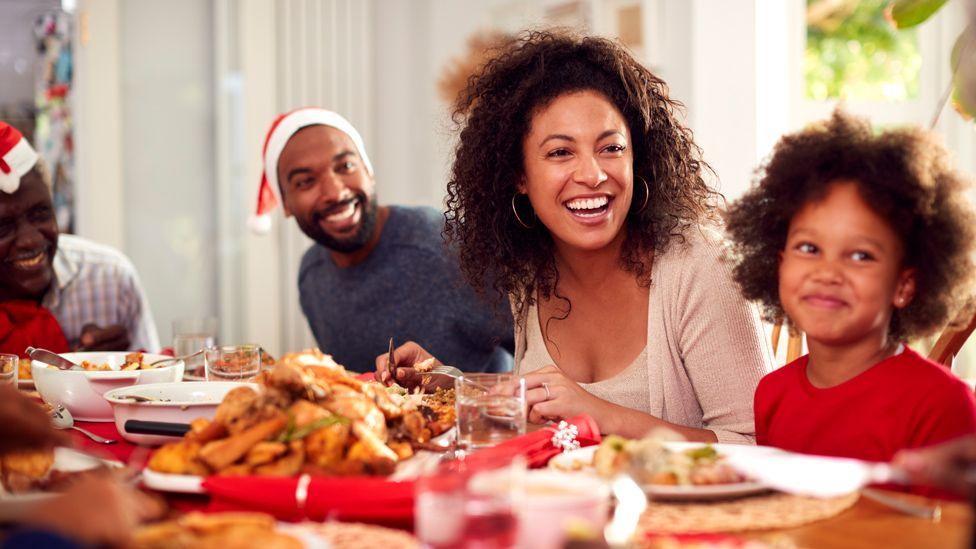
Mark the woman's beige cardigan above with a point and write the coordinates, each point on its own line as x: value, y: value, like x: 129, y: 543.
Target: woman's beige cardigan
x: 706, y: 348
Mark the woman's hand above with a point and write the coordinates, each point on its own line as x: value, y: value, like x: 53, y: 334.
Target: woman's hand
x: 550, y: 395
x: 405, y: 357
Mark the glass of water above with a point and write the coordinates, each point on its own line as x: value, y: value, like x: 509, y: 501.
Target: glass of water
x: 490, y: 408
x: 8, y: 368
x: 190, y: 335
x: 232, y: 362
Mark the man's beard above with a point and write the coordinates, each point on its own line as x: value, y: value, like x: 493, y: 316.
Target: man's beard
x: 346, y: 244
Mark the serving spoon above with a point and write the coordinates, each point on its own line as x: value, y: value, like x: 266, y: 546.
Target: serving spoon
x: 62, y: 419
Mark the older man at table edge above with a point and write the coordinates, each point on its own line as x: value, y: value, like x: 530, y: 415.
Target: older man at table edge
x: 91, y: 291
x: 374, y: 271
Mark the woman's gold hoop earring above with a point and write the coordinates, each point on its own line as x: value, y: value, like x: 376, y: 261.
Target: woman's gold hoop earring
x: 517, y: 217
x: 647, y: 194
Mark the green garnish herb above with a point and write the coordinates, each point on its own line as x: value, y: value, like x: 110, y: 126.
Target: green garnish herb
x: 705, y: 452
x: 292, y: 433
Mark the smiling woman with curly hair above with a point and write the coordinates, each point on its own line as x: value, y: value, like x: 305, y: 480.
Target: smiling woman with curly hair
x: 577, y: 192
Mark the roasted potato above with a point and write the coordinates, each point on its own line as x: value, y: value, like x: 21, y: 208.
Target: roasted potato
x: 179, y: 458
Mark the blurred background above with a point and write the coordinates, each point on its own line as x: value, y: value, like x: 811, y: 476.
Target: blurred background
x: 153, y: 112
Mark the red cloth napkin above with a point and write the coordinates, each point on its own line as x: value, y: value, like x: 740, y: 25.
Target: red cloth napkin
x: 357, y: 499
x: 370, y: 499
x: 26, y: 324
x: 537, y: 446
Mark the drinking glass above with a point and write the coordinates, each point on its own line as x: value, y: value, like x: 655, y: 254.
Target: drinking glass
x: 490, y: 408
x: 461, y: 507
x: 232, y: 362
x: 191, y: 335
x: 8, y: 368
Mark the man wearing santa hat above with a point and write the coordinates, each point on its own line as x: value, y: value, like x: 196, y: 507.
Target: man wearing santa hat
x: 374, y: 272
x: 59, y: 292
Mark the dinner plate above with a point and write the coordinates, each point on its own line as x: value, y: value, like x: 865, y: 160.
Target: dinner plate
x: 12, y: 506
x: 581, y: 460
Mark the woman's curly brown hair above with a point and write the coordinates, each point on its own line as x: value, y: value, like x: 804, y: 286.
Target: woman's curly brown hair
x: 906, y: 177
x: 495, y: 112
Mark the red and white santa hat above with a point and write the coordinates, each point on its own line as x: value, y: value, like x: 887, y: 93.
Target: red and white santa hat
x: 17, y: 157
x: 285, y: 126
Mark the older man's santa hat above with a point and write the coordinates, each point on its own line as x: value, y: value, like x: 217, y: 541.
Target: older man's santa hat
x: 285, y: 126
x: 17, y: 158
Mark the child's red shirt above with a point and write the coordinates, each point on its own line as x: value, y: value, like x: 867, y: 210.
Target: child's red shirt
x: 904, y: 401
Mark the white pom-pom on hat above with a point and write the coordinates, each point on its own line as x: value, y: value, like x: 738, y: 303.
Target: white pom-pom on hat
x: 17, y: 157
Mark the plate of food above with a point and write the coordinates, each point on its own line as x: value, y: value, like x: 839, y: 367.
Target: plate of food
x: 307, y: 415
x: 248, y: 529
x: 667, y: 470
x: 27, y: 478
x: 233, y: 529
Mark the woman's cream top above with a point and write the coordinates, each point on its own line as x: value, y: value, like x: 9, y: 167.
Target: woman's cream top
x: 628, y: 388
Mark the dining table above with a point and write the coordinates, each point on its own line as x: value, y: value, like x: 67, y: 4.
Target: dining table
x: 867, y: 524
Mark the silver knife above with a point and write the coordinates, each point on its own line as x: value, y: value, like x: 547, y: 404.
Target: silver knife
x: 54, y: 359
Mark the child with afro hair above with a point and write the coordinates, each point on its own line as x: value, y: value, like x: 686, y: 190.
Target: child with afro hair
x: 862, y: 241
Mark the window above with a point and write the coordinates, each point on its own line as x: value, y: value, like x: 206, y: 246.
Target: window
x: 854, y: 53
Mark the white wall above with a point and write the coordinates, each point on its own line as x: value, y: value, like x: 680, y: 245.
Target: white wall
x: 144, y: 110
x: 97, y: 108
x: 413, y: 41
x: 168, y: 155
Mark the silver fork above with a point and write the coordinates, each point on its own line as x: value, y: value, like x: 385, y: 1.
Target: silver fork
x: 442, y: 371
x: 445, y: 370
x: 930, y: 512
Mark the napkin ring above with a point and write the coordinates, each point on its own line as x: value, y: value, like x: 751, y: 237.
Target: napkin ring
x: 301, y: 492
x: 564, y: 437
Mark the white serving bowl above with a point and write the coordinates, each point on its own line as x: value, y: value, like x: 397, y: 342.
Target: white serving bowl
x: 184, y: 402
x: 81, y: 391
x: 554, y: 502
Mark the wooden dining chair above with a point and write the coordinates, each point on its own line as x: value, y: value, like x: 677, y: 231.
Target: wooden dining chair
x: 794, y: 342
x: 950, y: 342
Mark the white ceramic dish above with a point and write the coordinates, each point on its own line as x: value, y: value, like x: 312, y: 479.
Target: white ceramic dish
x: 13, y: 506
x: 581, y: 459
x: 175, y: 402
x: 81, y: 391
